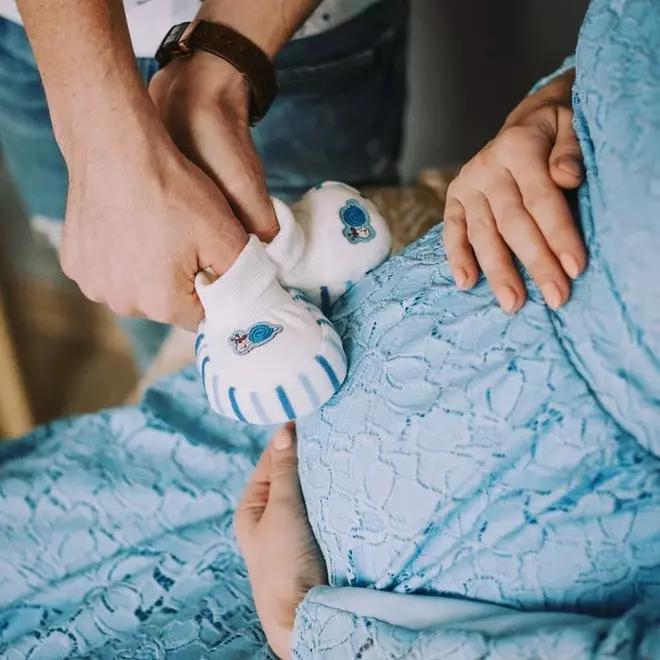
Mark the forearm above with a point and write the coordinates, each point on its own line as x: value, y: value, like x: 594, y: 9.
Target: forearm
x: 95, y: 94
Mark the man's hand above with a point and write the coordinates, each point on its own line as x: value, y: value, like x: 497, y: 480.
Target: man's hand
x: 283, y: 559
x: 204, y: 103
x: 509, y: 199
x: 141, y: 222
x: 141, y: 218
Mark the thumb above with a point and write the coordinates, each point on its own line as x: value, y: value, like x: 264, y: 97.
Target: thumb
x: 284, y: 480
x: 254, y: 501
x: 566, y: 168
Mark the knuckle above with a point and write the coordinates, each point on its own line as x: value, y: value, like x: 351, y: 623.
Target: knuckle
x: 288, y: 463
x: 449, y: 225
x: 462, y: 173
x: 453, y: 221
x: 452, y: 190
x: 565, y: 114
x: 541, y: 265
x: 165, y: 306
x: 508, y: 218
x: 466, y: 173
x: 480, y: 165
x: 120, y: 304
x: 122, y: 309
x: 481, y: 159
x: 67, y: 264
x: 160, y: 311
x: 539, y: 199
x: 510, y: 139
x: 478, y: 225
x: 89, y: 293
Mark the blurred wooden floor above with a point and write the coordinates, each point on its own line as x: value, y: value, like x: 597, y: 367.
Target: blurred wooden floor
x: 73, y: 357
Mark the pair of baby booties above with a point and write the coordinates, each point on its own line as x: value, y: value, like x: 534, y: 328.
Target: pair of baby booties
x: 266, y: 352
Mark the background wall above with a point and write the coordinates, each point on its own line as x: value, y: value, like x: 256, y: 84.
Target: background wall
x: 471, y: 62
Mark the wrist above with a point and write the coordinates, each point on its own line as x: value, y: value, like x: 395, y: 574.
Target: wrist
x: 212, y: 80
x: 105, y: 118
x: 557, y: 92
x: 277, y: 618
x: 279, y: 640
x: 133, y: 144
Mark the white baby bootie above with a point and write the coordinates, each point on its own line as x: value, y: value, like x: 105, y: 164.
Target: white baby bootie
x: 264, y: 358
x: 328, y: 241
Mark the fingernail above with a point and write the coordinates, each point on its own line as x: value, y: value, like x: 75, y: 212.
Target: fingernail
x: 507, y: 297
x: 552, y: 294
x: 283, y: 440
x: 570, y: 265
x: 460, y: 277
x: 570, y: 165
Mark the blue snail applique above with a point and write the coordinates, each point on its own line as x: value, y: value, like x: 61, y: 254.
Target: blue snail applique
x: 244, y: 341
x: 357, y: 225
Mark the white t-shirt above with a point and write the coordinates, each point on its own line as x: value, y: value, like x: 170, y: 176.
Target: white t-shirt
x: 149, y: 20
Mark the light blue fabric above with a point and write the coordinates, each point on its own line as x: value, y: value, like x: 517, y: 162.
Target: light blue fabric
x: 116, y: 534
x: 512, y: 460
x: 465, y: 630
x: 417, y: 612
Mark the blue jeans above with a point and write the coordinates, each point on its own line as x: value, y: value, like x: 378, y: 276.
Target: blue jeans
x: 338, y: 116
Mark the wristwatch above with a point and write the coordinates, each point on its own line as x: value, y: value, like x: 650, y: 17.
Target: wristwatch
x: 184, y: 39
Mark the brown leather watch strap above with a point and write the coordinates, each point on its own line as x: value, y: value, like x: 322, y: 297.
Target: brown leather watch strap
x: 226, y: 43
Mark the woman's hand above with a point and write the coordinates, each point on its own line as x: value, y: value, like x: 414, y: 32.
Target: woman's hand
x: 283, y: 559
x: 509, y: 199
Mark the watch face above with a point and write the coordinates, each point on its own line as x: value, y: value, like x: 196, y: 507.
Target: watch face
x: 173, y: 36
x: 170, y: 44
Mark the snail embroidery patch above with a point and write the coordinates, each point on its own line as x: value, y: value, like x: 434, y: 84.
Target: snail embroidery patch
x: 357, y: 224
x: 244, y: 341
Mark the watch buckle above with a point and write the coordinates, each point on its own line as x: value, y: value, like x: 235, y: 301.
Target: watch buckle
x: 184, y: 42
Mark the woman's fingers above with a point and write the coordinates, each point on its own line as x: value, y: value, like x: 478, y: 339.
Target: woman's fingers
x: 284, y: 480
x: 492, y: 252
x: 547, y: 204
x: 565, y: 161
x: 255, y: 498
x: 275, y: 477
x: 509, y: 199
x: 522, y: 234
x: 493, y: 222
x: 459, y: 252
x: 541, y: 168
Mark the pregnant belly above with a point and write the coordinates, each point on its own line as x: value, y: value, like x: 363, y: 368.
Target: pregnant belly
x: 465, y: 455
